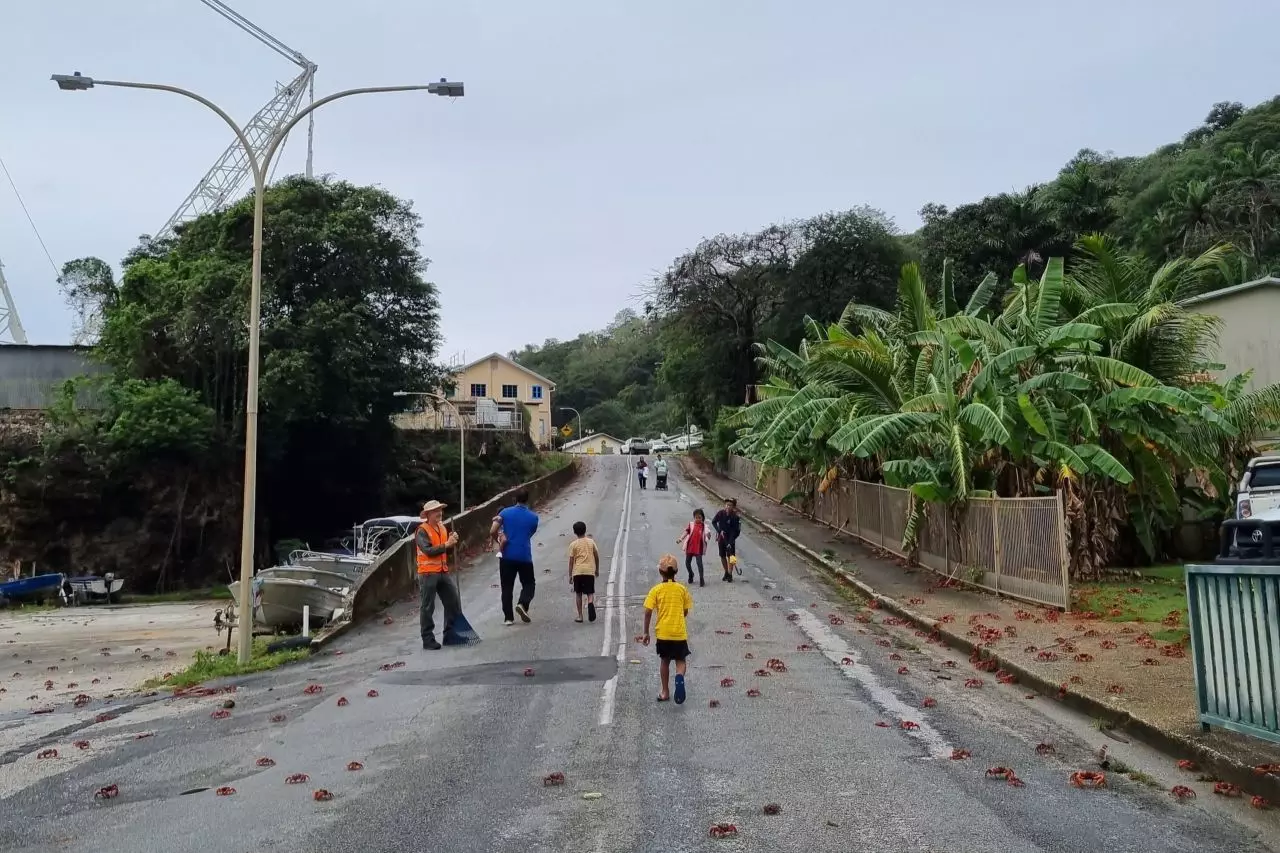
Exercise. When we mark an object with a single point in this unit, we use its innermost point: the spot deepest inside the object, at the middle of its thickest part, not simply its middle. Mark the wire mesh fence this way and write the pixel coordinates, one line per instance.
(1013, 546)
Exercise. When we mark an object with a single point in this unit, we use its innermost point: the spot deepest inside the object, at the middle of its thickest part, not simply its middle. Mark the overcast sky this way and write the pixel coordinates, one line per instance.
(597, 140)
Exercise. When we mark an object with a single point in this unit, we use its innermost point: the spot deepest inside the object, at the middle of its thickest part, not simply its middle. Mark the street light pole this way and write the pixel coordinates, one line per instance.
(576, 412)
(462, 440)
(260, 168)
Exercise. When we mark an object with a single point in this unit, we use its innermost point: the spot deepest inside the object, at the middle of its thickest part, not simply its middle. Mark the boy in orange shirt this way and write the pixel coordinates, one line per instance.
(672, 602)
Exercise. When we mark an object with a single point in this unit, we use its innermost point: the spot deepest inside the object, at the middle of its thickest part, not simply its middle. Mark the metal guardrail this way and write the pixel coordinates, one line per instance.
(1234, 609)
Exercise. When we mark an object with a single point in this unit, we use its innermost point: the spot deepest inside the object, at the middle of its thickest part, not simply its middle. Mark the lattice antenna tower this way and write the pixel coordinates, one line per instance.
(230, 172)
(11, 330)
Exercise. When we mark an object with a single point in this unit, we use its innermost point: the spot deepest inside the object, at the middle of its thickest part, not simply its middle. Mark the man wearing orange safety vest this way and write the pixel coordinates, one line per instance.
(433, 543)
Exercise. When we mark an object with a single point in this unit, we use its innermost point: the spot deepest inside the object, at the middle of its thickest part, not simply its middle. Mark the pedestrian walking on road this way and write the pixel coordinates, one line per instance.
(432, 543)
(584, 568)
(513, 530)
(695, 538)
(672, 602)
(728, 527)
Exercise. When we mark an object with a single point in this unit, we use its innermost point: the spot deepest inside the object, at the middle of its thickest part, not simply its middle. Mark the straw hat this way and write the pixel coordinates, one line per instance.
(432, 506)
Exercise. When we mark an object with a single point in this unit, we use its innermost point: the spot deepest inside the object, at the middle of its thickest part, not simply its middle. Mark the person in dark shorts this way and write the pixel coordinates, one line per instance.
(728, 527)
(584, 568)
(672, 602)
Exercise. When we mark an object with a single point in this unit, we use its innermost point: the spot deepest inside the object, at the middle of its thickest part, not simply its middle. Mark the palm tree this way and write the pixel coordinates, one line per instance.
(1254, 175)
(1189, 213)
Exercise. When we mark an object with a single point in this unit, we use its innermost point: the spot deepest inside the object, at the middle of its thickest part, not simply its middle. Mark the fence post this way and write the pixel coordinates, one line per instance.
(857, 520)
(880, 508)
(946, 535)
(995, 540)
(1062, 550)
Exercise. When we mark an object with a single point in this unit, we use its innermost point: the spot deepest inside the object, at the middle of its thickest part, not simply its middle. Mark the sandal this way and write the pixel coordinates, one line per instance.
(664, 698)
(579, 619)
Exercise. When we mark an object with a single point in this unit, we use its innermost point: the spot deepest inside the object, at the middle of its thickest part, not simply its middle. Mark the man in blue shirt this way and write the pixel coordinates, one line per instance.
(513, 529)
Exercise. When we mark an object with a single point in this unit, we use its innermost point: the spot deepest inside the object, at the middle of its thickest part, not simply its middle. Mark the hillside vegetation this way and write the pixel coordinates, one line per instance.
(1029, 342)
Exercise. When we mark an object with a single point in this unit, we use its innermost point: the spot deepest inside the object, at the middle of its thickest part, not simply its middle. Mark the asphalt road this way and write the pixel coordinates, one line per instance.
(456, 743)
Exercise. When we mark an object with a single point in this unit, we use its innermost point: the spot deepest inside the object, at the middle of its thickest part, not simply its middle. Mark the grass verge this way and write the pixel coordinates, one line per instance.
(1160, 591)
(210, 665)
(551, 460)
(216, 593)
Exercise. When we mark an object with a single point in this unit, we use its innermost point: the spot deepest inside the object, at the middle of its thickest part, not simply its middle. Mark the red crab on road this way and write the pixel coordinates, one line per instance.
(1088, 779)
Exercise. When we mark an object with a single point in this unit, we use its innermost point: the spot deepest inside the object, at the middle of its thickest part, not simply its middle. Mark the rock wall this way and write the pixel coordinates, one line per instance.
(21, 427)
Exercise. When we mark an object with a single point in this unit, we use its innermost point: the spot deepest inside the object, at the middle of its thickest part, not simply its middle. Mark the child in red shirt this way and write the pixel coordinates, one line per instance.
(695, 540)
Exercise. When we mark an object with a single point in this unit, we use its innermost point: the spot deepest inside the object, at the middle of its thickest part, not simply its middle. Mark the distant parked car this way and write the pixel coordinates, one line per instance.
(636, 446)
(661, 447)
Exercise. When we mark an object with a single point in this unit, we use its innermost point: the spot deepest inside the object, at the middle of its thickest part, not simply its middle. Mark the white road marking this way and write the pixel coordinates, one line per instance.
(616, 603)
(837, 650)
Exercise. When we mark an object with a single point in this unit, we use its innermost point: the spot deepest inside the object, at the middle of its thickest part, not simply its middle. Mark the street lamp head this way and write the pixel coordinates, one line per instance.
(445, 89)
(400, 394)
(72, 82)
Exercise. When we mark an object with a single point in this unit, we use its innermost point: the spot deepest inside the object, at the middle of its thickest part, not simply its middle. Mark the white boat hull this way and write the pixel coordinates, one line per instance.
(279, 601)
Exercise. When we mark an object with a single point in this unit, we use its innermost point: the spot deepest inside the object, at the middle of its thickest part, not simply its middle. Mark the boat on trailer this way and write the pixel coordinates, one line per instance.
(322, 580)
(95, 587)
(34, 589)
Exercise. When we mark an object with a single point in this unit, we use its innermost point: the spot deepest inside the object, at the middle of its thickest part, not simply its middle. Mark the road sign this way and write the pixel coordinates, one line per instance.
(566, 430)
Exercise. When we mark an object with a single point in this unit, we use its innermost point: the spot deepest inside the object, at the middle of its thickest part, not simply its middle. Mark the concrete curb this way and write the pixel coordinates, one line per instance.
(1170, 743)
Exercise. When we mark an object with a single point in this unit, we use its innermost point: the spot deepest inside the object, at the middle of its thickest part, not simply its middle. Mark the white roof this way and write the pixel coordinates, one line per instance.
(586, 438)
(509, 361)
(1212, 295)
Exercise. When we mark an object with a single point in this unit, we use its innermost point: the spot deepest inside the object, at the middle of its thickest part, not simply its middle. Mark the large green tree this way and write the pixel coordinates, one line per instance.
(348, 318)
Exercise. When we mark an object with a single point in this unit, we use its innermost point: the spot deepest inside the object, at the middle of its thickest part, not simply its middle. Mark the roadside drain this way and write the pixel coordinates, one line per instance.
(510, 673)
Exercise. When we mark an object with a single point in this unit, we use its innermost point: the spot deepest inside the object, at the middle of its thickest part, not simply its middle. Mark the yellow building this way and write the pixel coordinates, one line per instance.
(498, 392)
(596, 444)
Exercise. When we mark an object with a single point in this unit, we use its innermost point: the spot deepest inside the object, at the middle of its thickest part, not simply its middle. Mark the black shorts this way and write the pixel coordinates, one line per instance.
(672, 649)
(728, 548)
(584, 584)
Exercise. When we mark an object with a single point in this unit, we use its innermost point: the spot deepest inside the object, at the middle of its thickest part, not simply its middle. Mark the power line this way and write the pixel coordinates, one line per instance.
(23, 205)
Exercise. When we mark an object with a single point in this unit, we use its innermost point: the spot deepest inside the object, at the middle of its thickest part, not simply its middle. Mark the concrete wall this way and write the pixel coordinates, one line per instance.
(31, 376)
(394, 576)
(597, 445)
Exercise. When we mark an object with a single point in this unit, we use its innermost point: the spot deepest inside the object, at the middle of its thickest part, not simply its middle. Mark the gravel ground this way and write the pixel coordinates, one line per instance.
(120, 646)
(455, 744)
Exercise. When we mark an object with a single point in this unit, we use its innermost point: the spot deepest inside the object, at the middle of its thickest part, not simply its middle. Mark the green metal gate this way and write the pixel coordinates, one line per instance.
(1235, 641)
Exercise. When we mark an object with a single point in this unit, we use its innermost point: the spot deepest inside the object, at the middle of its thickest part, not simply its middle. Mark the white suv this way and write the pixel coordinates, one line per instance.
(636, 446)
(1258, 497)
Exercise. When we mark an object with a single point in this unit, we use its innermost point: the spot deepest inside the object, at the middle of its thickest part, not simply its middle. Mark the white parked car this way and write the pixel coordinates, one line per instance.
(636, 446)
(1258, 497)
(661, 447)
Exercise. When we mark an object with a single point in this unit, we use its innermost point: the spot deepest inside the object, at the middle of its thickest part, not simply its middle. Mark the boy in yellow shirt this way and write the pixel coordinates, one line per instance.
(672, 603)
(584, 568)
